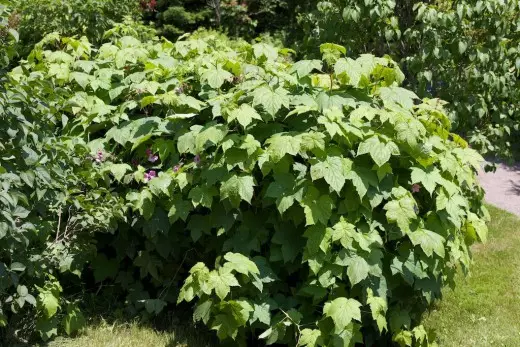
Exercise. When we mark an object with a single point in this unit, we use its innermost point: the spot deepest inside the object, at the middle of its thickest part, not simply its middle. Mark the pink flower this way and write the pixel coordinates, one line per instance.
(151, 157)
(196, 160)
(177, 167)
(416, 188)
(99, 156)
(149, 175)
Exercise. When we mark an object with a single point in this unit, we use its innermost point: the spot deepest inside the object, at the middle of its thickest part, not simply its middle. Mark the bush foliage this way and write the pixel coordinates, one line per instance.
(314, 203)
(464, 52)
(244, 18)
(69, 17)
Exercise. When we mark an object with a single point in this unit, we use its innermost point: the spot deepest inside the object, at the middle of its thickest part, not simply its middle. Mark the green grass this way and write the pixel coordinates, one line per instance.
(133, 335)
(484, 308)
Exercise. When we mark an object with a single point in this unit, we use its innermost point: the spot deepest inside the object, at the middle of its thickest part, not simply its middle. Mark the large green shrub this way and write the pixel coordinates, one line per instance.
(312, 203)
(465, 52)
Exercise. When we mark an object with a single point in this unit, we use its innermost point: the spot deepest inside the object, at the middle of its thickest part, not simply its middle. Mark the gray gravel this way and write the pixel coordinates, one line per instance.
(503, 187)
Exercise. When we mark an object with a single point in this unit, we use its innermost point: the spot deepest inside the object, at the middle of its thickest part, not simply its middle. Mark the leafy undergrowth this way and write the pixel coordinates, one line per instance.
(484, 309)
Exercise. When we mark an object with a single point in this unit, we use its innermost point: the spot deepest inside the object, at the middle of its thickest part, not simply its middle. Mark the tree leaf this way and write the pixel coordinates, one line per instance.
(180, 208)
(378, 307)
(379, 151)
(240, 263)
(118, 170)
(342, 311)
(357, 269)
(429, 178)
(160, 185)
(271, 100)
(154, 306)
(216, 76)
(222, 281)
(244, 115)
(237, 188)
(429, 241)
(49, 303)
(332, 170)
(203, 311)
(305, 67)
(280, 145)
(317, 208)
(261, 313)
(310, 337)
(401, 211)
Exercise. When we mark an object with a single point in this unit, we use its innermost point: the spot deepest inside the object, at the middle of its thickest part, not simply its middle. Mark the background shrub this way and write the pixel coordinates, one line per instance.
(464, 52)
(70, 17)
(246, 18)
(8, 35)
(314, 202)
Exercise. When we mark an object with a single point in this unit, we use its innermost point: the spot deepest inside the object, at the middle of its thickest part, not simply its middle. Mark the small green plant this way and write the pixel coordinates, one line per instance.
(312, 203)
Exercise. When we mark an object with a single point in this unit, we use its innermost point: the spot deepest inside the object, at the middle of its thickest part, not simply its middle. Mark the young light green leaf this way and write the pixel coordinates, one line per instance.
(221, 281)
(244, 115)
(271, 100)
(240, 263)
(280, 145)
(118, 170)
(216, 76)
(305, 67)
(342, 311)
(331, 169)
(429, 178)
(310, 337)
(261, 313)
(379, 151)
(378, 307)
(429, 241)
(237, 188)
(401, 212)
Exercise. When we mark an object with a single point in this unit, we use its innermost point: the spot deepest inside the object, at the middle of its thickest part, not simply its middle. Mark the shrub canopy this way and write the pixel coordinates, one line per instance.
(314, 202)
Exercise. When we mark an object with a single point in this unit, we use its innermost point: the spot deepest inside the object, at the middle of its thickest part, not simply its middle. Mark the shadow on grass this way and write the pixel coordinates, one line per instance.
(108, 326)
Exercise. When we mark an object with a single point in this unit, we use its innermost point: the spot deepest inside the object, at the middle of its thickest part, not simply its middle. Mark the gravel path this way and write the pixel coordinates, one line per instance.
(503, 187)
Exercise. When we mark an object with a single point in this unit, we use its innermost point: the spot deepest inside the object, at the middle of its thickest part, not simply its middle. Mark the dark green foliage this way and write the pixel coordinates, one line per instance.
(246, 18)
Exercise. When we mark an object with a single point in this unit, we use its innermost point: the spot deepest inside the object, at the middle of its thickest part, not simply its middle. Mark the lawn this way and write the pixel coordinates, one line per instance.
(134, 334)
(483, 310)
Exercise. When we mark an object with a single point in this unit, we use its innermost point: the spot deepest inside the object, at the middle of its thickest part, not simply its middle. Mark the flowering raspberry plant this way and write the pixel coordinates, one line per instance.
(312, 203)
